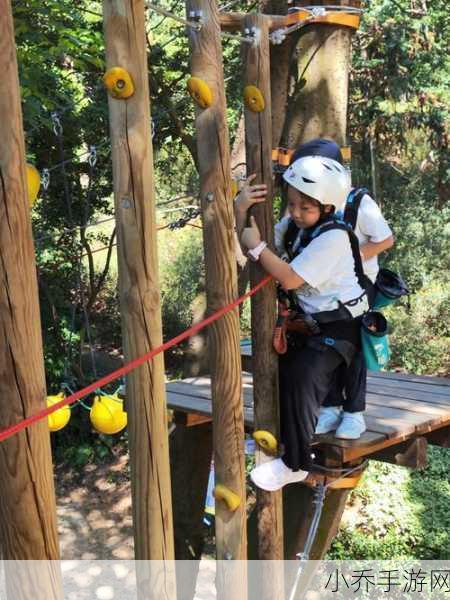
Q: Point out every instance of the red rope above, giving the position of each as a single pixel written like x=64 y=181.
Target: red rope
x=10 y=431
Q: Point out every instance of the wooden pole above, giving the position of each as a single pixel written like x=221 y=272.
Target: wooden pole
x=318 y=108
x=27 y=496
x=258 y=137
x=134 y=195
x=318 y=105
x=221 y=288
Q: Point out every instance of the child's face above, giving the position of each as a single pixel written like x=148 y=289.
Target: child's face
x=304 y=210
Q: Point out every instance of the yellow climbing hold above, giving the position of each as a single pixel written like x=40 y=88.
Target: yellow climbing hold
x=231 y=499
x=58 y=419
x=266 y=440
x=200 y=92
x=33 y=183
x=107 y=414
x=118 y=82
x=253 y=98
x=234 y=187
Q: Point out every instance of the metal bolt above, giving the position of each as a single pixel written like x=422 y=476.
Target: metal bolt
x=209 y=196
x=126 y=202
x=228 y=556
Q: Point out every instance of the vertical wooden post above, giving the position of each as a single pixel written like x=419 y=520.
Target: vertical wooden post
x=258 y=138
x=221 y=288
x=124 y=25
x=27 y=497
x=318 y=106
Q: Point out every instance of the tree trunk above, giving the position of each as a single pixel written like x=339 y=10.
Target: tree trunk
x=27 y=496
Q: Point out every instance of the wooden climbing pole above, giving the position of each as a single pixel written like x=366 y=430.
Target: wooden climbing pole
x=221 y=288
x=124 y=26
x=27 y=497
x=258 y=139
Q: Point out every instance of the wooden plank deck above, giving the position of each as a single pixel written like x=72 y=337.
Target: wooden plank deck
x=399 y=407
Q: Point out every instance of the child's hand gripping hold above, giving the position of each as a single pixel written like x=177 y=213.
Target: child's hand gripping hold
x=250 y=194
x=247 y=197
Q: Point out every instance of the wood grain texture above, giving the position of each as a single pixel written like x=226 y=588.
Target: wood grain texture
x=318 y=104
x=258 y=141
x=134 y=196
x=27 y=497
x=221 y=288
x=190 y=457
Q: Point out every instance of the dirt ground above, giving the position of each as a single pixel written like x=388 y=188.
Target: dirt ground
x=94 y=511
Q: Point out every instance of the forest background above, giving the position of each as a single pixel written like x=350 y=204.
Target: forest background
x=397 y=128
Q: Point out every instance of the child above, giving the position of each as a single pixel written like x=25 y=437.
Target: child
x=375 y=236
x=327 y=278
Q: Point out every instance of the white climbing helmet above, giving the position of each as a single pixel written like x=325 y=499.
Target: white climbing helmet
x=324 y=179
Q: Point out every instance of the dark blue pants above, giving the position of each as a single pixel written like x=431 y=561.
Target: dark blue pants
x=306 y=375
x=349 y=386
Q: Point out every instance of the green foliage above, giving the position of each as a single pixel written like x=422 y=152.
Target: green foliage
x=395 y=513
x=182 y=269
x=420 y=338
x=399 y=98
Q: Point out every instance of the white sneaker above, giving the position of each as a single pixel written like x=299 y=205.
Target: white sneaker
x=352 y=426
x=329 y=419
x=274 y=474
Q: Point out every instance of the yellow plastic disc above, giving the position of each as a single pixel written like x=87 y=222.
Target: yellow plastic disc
x=58 y=419
x=107 y=414
x=234 y=187
x=118 y=82
x=33 y=183
x=266 y=440
x=231 y=499
x=254 y=100
x=200 y=92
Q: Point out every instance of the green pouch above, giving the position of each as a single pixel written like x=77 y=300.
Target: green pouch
x=374 y=339
x=389 y=287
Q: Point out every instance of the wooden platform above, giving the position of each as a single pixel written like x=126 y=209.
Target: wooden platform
x=399 y=408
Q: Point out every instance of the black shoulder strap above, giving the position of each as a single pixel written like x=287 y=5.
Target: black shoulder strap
x=289 y=239
x=354 y=244
x=352 y=206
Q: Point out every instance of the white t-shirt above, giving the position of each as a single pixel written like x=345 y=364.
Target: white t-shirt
x=371 y=226
x=327 y=267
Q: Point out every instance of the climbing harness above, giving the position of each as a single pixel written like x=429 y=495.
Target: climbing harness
x=352 y=206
